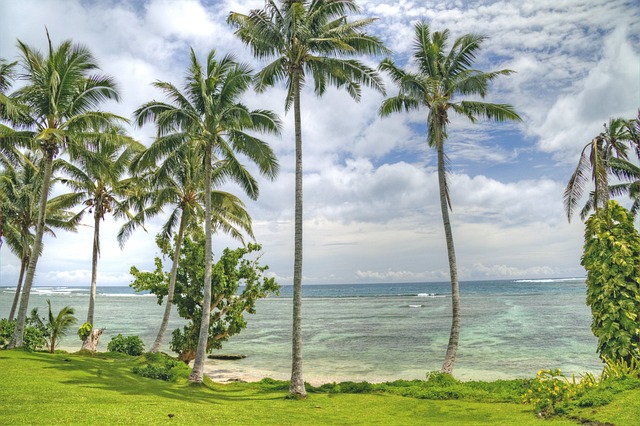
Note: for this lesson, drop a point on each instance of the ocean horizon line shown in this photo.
(484, 280)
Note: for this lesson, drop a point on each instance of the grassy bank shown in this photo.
(39, 388)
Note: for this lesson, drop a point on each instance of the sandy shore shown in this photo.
(228, 372)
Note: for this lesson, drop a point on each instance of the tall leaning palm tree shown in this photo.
(20, 189)
(100, 183)
(442, 80)
(307, 39)
(62, 91)
(178, 183)
(208, 115)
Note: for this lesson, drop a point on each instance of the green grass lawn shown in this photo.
(41, 388)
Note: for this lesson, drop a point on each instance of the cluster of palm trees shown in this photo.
(201, 128)
(607, 155)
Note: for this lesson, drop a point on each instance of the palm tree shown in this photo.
(62, 92)
(179, 182)
(14, 115)
(627, 171)
(441, 78)
(100, 184)
(307, 38)
(58, 325)
(20, 189)
(209, 116)
(594, 160)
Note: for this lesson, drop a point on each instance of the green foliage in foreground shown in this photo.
(43, 388)
(612, 260)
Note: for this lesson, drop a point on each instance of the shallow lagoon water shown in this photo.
(375, 332)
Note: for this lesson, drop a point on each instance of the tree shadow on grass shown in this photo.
(114, 374)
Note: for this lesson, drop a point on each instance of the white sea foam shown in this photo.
(415, 306)
(550, 280)
(57, 290)
(125, 295)
(429, 295)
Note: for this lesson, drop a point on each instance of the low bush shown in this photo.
(553, 393)
(162, 367)
(34, 337)
(131, 345)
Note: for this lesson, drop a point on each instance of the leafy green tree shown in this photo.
(595, 164)
(237, 282)
(612, 260)
(20, 189)
(101, 185)
(442, 77)
(307, 39)
(209, 116)
(63, 114)
(178, 183)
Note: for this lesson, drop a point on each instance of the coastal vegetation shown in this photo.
(229, 301)
(210, 118)
(307, 40)
(59, 114)
(612, 260)
(54, 132)
(443, 77)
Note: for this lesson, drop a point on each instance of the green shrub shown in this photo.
(273, 385)
(550, 391)
(162, 367)
(611, 253)
(131, 345)
(35, 332)
(6, 331)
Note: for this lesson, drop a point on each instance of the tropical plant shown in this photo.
(612, 260)
(237, 282)
(595, 160)
(11, 113)
(627, 171)
(14, 114)
(58, 325)
(209, 116)
(63, 114)
(100, 184)
(442, 77)
(307, 39)
(179, 183)
(20, 189)
(130, 345)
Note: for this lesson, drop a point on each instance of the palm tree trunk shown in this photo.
(17, 341)
(454, 336)
(23, 266)
(94, 275)
(296, 386)
(198, 364)
(172, 286)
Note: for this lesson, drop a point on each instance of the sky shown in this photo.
(371, 206)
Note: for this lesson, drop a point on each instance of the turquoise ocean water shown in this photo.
(374, 332)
